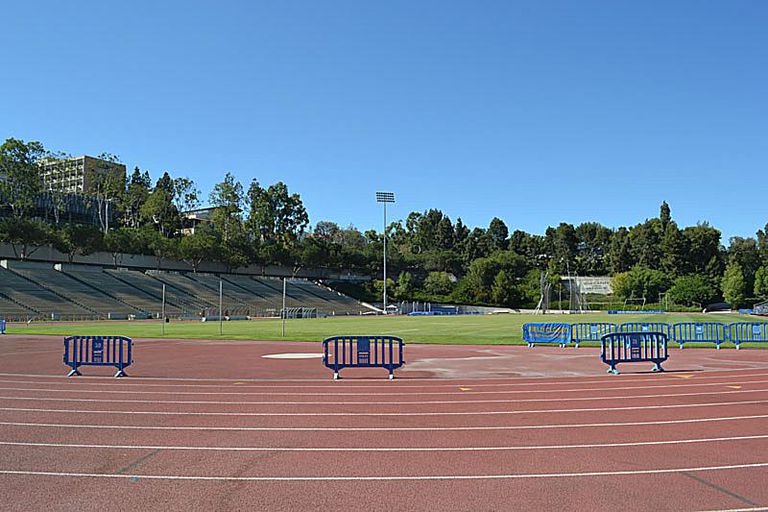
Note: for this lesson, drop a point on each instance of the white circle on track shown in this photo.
(294, 355)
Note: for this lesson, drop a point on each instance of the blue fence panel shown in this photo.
(114, 351)
(363, 352)
(634, 347)
(2, 326)
(593, 331)
(699, 332)
(739, 332)
(645, 327)
(548, 333)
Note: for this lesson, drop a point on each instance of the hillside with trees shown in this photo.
(431, 256)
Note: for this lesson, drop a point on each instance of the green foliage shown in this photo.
(504, 290)
(197, 247)
(438, 284)
(640, 282)
(25, 236)
(761, 283)
(734, 285)
(22, 176)
(274, 213)
(77, 240)
(405, 286)
(692, 290)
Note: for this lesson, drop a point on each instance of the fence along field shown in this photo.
(481, 329)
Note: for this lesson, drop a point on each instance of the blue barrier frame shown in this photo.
(547, 333)
(591, 331)
(747, 332)
(699, 332)
(645, 327)
(2, 326)
(634, 347)
(367, 351)
(114, 351)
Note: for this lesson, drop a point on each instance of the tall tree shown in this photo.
(159, 209)
(734, 285)
(21, 175)
(274, 214)
(665, 215)
(227, 199)
(136, 194)
(761, 283)
(498, 234)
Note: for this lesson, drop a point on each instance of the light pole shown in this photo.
(384, 198)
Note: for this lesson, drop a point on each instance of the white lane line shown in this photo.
(341, 478)
(381, 449)
(361, 429)
(564, 380)
(369, 402)
(450, 413)
(102, 390)
(755, 509)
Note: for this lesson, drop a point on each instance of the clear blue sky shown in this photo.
(537, 112)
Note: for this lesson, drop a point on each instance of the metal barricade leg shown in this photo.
(657, 367)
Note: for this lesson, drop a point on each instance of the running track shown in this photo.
(217, 426)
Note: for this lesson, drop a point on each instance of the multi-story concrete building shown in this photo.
(80, 174)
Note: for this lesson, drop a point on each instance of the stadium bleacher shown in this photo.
(10, 310)
(31, 291)
(42, 300)
(121, 290)
(78, 292)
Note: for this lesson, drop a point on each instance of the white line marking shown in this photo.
(417, 402)
(396, 429)
(381, 449)
(381, 478)
(327, 381)
(102, 390)
(756, 509)
(469, 413)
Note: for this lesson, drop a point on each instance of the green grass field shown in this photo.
(486, 329)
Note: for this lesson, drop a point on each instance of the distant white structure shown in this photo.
(600, 285)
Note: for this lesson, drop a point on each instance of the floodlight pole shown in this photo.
(221, 318)
(384, 198)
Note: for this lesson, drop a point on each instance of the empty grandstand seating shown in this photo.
(176, 300)
(122, 290)
(42, 300)
(75, 291)
(10, 310)
(67, 292)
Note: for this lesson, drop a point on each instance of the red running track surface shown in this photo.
(215, 425)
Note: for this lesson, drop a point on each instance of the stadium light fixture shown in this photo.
(384, 198)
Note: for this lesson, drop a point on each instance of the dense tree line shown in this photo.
(432, 256)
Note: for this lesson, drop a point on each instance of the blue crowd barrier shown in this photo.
(114, 351)
(363, 352)
(645, 327)
(547, 333)
(699, 332)
(634, 347)
(2, 326)
(741, 332)
(593, 331)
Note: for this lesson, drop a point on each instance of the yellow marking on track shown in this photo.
(465, 389)
(682, 375)
(734, 387)
(236, 383)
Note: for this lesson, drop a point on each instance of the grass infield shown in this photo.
(485, 330)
